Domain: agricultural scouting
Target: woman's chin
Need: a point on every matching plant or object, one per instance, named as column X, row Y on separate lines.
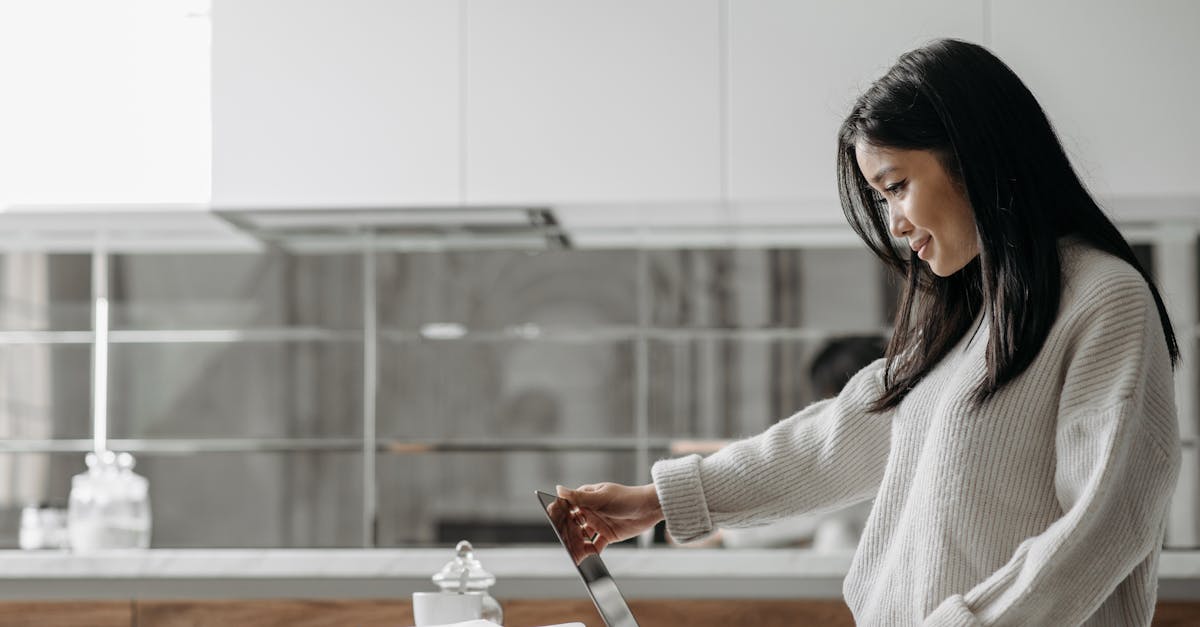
column 942, row 271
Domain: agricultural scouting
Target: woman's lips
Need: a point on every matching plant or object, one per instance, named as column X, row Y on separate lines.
column 924, row 245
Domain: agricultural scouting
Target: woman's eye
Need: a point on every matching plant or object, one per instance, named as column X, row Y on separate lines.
column 894, row 187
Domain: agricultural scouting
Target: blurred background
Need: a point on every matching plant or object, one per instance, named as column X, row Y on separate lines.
column 376, row 270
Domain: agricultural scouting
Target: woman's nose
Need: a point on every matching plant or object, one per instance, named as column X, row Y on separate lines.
column 900, row 225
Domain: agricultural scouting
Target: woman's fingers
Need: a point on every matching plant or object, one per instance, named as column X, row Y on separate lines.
column 595, row 537
column 567, row 493
column 585, row 516
column 605, row 528
column 595, row 525
column 608, row 512
column 592, row 495
column 600, row 542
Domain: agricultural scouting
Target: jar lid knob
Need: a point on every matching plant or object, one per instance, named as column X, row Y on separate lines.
column 464, row 550
column 464, row 572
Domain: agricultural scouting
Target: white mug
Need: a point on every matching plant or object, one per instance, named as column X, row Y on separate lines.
column 441, row 608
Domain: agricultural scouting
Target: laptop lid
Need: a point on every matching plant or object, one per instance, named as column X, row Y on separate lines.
column 600, row 584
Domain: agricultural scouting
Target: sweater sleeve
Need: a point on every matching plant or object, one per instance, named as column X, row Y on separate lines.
column 1117, row 460
column 831, row 453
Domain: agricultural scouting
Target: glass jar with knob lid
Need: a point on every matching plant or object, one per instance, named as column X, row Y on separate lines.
column 464, row 574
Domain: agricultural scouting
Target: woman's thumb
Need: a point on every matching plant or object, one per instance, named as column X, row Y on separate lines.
column 579, row 498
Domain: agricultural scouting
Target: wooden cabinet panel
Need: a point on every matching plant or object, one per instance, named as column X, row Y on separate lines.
column 66, row 614
column 760, row 613
column 398, row 613
column 518, row 613
column 274, row 613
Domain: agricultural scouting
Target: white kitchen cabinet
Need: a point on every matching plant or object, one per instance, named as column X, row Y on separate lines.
column 334, row 103
column 795, row 69
column 1119, row 81
column 102, row 104
column 585, row 101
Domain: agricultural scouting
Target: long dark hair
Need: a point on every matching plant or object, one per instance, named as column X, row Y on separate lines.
column 958, row 101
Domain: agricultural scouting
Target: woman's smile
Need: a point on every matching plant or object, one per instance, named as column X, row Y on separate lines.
column 923, row 247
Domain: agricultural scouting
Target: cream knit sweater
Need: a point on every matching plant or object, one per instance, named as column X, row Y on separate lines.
column 1045, row 507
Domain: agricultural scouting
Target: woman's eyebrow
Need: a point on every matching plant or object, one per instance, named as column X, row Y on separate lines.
column 881, row 172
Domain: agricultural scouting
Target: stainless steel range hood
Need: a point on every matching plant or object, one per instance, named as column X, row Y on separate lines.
column 407, row 228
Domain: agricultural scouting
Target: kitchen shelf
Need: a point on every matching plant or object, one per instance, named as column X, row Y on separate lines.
column 37, row 338
column 395, row 446
column 398, row 336
column 182, row 336
column 602, row 333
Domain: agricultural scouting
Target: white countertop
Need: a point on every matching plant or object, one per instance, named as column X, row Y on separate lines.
column 534, row 572
column 539, row 562
column 536, row 562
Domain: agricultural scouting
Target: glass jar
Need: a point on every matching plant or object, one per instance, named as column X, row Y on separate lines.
column 43, row 527
column 109, row 506
column 465, row 574
column 133, row 519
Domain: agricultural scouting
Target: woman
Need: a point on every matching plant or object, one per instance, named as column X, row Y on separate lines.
column 1019, row 435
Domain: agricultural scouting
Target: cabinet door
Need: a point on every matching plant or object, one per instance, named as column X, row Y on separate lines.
column 592, row 101
column 103, row 103
column 795, row 70
column 1119, row 81
column 335, row 102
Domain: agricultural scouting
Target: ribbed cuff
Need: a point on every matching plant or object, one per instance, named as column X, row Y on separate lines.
column 682, row 497
column 953, row 612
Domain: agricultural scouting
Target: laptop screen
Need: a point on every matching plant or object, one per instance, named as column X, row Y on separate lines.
column 600, row 585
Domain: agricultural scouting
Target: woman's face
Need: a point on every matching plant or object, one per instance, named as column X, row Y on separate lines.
column 925, row 206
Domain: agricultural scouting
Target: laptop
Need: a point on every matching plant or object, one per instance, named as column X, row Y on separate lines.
column 600, row 585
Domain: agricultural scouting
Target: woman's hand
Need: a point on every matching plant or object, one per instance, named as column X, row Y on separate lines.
column 613, row 512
